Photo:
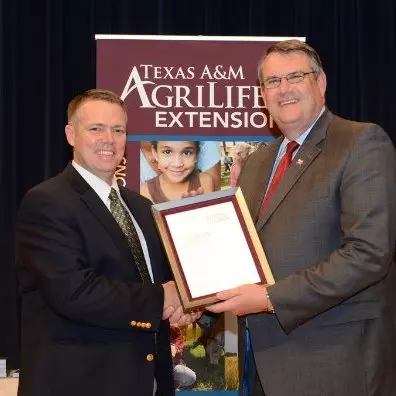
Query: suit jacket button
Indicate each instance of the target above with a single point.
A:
(133, 323)
(148, 325)
(143, 325)
(150, 357)
(139, 324)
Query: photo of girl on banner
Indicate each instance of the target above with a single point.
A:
(175, 163)
(208, 161)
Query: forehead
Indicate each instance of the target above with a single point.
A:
(100, 111)
(281, 64)
(176, 145)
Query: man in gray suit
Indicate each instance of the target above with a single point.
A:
(326, 327)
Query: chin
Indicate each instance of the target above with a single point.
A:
(289, 122)
(290, 117)
(108, 168)
(177, 179)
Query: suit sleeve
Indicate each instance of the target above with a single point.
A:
(52, 258)
(367, 193)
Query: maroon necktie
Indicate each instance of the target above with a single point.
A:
(283, 165)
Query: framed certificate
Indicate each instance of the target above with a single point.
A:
(212, 245)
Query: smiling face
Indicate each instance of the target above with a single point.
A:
(176, 160)
(98, 136)
(294, 107)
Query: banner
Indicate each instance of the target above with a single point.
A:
(204, 89)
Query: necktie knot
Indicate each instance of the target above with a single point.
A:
(291, 146)
(113, 195)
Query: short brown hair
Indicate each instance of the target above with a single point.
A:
(93, 94)
(290, 46)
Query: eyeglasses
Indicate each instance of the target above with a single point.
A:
(292, 78)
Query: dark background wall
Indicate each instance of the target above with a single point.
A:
(47, 55)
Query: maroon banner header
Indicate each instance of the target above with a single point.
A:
(191, 86)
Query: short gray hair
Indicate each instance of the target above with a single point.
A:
(291, 46)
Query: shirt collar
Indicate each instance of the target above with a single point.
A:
(96, 183)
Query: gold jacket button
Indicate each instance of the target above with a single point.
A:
(139, 324)
(143, 325)
(133, 323)
(149, 357)
(148, 325)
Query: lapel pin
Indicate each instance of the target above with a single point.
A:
(300, 161)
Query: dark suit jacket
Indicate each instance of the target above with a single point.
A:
(329, 235)
(80, 291)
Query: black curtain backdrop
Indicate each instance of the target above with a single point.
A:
(47, 55)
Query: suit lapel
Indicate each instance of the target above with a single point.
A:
(262, 177)
(147, 226)
(301, 162)
(135, 207)
(98, 208)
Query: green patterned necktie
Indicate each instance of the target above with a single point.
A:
(123, 219)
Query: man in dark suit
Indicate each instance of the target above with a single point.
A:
(328, 226)
(95, 284)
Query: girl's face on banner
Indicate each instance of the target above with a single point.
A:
(176, 160)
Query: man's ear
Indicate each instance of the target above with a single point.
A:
(70, 134)
(322, 82)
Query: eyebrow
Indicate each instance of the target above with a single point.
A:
(278, 76)
(183, 148)
(103, 125)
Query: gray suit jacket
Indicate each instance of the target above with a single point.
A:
(329, 235)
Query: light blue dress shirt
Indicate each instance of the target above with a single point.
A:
(282, 149)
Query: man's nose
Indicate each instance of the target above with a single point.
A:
(284, 85)
(108, 135)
